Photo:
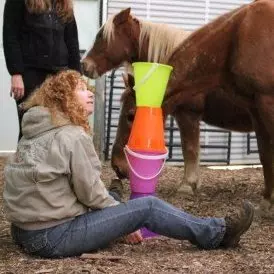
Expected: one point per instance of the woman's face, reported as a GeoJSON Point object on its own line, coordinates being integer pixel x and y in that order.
{"type": "Point", "coordinates": [85, 96]}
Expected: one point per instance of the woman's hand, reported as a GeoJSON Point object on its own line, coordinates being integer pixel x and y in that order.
{"type": "Point", "coordinates": [134, 238]}
{"type": "Point", "coordinates": [17, 87]}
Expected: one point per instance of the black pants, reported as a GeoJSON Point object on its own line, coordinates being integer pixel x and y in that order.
{"type": "Point", "coordinates": [32, 78]}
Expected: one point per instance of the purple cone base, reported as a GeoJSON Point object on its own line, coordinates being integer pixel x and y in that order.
{"type": "Point", "coordinates": [145, 232]}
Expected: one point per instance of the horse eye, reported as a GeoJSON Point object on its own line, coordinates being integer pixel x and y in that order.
{"type": "Point", "coordinates": [130, 117]}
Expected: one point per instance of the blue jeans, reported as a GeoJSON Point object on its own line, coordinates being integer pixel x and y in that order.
{"type": "Point", "coordinates": [96, 229]}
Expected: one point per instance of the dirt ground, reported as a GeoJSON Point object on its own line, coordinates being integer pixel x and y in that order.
{"type": "Point", "coordinates": [222, 191]}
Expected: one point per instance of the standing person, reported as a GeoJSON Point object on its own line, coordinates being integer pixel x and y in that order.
{"type": "Point", "coordinates": [56, 201]}
{"type": "Point", "coordinates": [40, 38]}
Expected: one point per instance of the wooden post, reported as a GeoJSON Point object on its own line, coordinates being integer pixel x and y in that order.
{"type": "Point", "coordinates": [99, 117]}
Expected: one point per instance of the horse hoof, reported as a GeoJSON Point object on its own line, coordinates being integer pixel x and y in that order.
{"type": "Point", "coordinates": [186, 189]}
{"type": "Point", "coordinates": [266, 209]}
{"type": "Point", "coordinates": [198, 185]}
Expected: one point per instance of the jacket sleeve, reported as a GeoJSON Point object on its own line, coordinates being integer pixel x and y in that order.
{"type": "Point", "coordinates": [86, 170]}
{"type": "Point", "coordinates": [71, 40]}
{"type": "Point", "coordinates": [12, 22]}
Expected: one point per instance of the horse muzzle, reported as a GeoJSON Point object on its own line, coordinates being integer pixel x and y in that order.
{"type": "Point", "coordinates": [89, 68]}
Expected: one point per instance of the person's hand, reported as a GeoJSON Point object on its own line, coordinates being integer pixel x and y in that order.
{"type": "Point", "coordinates": [17, 87]}
{"type": "Point", "coordinates": [134, 238]}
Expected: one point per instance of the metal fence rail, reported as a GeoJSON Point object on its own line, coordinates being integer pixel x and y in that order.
{"type": "Point", "coordinates": [171, 144]}
{"type": "Point", "coordinates": [249, 138]}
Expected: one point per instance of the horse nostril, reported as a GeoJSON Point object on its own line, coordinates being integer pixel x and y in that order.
{"type": "Point", "coordinates": [89, 68]}
{"type": "Point", "coordinates": [116, 169]}
{"type": "Point", "coordinates": [83, 66]}
{"type": "Point", "coordinates": [118, 172]}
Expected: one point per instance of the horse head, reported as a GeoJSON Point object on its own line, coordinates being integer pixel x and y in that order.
{"type": "Point", "coordinates": [127, 114]}
{"type": "Point", "coordinates": [116, 42]}
{"type": "Point", "coordinates": [124, 39]}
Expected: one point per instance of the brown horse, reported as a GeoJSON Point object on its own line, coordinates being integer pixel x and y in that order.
{"type": "Point", "coordinates": [233, 54]}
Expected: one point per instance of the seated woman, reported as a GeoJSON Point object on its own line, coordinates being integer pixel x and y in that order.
{"type": "Point", "coordinates": [54, 197]}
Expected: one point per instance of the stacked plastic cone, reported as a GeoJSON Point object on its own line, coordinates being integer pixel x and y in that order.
{"type": "Point", "coordinates": [145, 150]}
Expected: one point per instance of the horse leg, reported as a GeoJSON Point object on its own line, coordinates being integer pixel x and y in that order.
{"type": "Point", "coordinates": [264, 147]}
{"type": "Point", "coordinates": [189, 126]}
{"type": "Point", "coordinates": [264, 127]}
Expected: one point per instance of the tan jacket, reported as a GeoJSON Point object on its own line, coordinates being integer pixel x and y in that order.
{"type": "Point", "coordinates": [54, 174]}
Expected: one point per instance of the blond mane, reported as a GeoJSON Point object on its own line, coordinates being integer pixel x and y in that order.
{"type": "Point", "coordinates": [163, 38]}
{"type": "Point", "coordinates": [108, 27]}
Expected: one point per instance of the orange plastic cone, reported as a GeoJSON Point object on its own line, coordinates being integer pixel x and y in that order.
{"type": "Point", "coordinates": [147, 133]}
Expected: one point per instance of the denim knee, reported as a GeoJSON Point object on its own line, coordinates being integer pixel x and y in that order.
{"type": "Point", "coordinates": [151, 201]}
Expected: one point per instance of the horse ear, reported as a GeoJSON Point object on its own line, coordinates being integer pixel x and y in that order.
{"type": "Point", "coordinates": [125, 78]}
{"type": "Point", "coordinates": [128, 80]}
{"type": "Point", "coordinates": [121, 17]}
{"type": "Point", "coordinates": [131, 81]}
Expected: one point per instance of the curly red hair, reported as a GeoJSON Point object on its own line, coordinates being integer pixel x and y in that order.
{"type": "Point", "coordinates": [57, 93]}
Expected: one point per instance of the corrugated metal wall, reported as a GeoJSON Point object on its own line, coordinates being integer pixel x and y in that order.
{"type": "Point", "coordinates": [189, 15]}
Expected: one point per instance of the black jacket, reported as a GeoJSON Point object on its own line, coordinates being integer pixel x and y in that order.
{"type": "Point", "coordinates": [38, 40]}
